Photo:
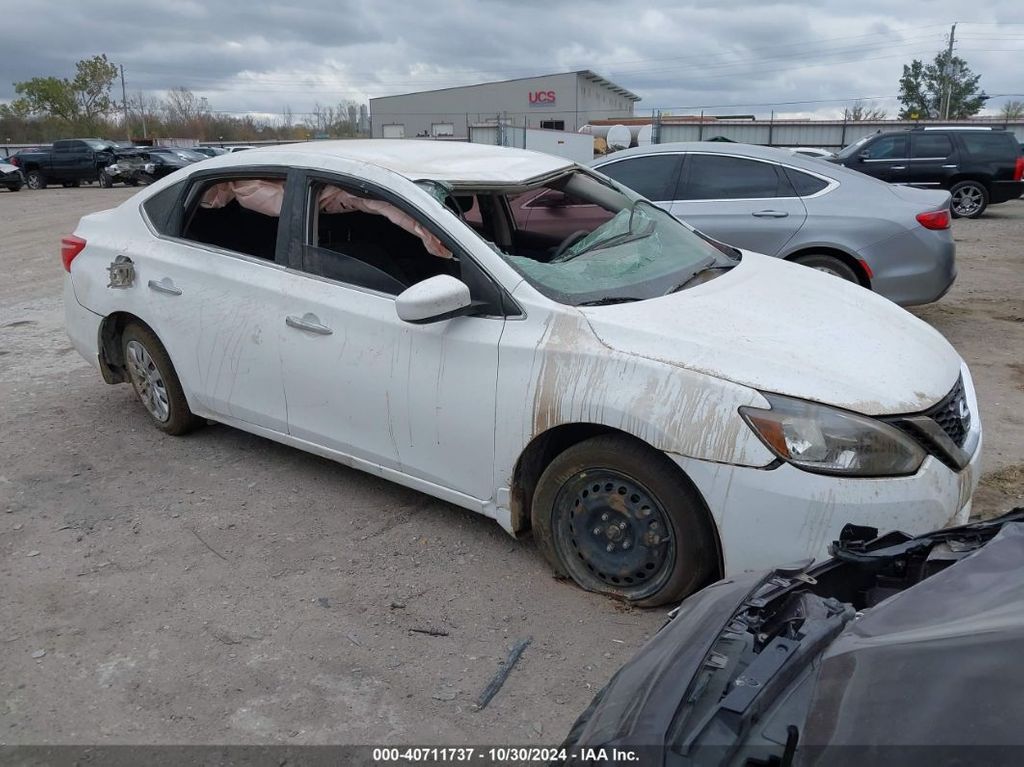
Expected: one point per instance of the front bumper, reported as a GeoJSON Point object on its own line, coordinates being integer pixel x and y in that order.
{"type": "Point", "coordinates": [769, 517]}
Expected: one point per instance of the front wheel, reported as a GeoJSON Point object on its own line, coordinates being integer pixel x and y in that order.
{"type": "Point", "coordinates": [155, 381]}
{"type": "Point", "coordinates": [969, 199]}
{"type": "Point", "coordinates": [618, 517]}
{"type": "Point", "coordinates": [828, 264]}
{"type": "Point", "coordinates": [106, 180]}
{"type": "Point", "coordinates": [14, 188]}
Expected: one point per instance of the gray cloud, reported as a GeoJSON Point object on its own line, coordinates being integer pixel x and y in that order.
{"type": "Point", "coordinates": [262, 56]}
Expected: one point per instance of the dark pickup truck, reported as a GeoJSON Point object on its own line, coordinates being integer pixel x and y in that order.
{"type": "Point", "coordinates": [68, 162]}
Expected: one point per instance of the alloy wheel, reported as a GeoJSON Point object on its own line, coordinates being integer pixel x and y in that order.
{"type": "Point", "coordinates": [967, 200]}
{"type": "Point", "coordinates": [148, 381]}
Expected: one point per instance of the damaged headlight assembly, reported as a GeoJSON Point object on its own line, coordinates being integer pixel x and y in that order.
{"type": "Point", "coordinates": [827, 440]}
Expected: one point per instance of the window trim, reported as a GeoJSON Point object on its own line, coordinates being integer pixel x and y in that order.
{"type": "Point", "coordinates": [831, 183]}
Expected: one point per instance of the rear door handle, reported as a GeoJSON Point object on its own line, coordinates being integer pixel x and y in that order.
{"type": "Point", "coordinates": [770, 213]}
{"type": "Point", "coordinates": [898, 167]}
{"type": "Point", "coordinates": [950, 166]}
{"type": "Point", "coordinates": [166, 285]}
{"type": "Point", "coordinates": [309, 322]}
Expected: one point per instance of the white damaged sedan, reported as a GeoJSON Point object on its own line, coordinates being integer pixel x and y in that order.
{"type": "Point", "coordinates": [660, 409]}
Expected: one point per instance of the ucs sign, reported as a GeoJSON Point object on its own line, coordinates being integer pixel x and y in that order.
{"type": "Point", "coordinates": [542, 98]}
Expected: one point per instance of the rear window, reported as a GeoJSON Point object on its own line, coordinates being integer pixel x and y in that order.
{"type": "Point", "coordinates": [989, 146]}
{"type": "Point", "coordinates": [804, 183]}
{"type": "Point", "coordinates": [932, 145]}
{"type": "Point", "coordinates": [712, 177]}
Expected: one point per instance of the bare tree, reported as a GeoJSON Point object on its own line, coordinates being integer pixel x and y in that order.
{"type": "Point", "coordinates": [858, 112]}
{"type": "Point", "coordinates": [186, 112]}
{"type": "Point", "coordinates": [1012, 110]}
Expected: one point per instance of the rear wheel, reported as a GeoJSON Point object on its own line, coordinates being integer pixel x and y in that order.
{"type": "Point", "coordinates": [155, 382]}
{"type": "Point", "coordinates": [35, 180]}
{"type": "Point", "coordinates": [619, 518]}
{"type": "Point", "coordinates": [106, 180]}
{"type": "Point", "coordinates": [970, 198]}
{"type": "Point", "coordinates": [828, 264]}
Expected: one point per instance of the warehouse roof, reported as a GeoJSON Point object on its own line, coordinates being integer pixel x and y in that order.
{"type": "Point", "coordinates": [585, 73]}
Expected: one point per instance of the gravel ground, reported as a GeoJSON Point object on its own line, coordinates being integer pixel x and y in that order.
{"type": "Point", "coordinates": [221, 588]}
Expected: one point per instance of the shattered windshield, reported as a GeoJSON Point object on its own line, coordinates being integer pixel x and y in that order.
{"type": "Point", "coordinates": [585, 243]}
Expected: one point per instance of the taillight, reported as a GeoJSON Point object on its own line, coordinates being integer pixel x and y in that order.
{"type": "Point", "coordinates": [12, 161]}
{"type": "Point", "coordinates": [70, 247]}
{"type": "Point", "coordinates": [934, 219]}
{"type": "Point", "coordinates": [1018, 169]}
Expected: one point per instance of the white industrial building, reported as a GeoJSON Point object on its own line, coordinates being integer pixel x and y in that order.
{"type": "Point", "coordinates": [563, 101]}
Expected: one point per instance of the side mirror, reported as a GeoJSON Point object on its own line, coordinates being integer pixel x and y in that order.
{"type": "Point", "coordinates": [435, 299]}
{"type": "Point", "coordinates": [864, 154]}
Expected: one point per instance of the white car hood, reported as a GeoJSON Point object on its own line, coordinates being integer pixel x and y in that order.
{"type": "Point", "coordinates": [784, 328]}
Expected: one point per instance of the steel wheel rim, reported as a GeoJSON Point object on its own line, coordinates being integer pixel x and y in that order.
{"type": "Point", "coordinates": [148, 381]}
{"type": "Point", "coordinates": [967, 200]}
{"type": "Point", "coordinates": [612, 534]}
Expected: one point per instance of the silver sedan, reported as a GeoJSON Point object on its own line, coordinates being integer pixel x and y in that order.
{"type": "Point", "coordinates": [894, 240]}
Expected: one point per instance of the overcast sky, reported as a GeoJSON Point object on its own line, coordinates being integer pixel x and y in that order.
{"type": "Point", "coordinates": [730, 56]}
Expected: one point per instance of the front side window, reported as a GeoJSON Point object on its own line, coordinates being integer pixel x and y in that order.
{"type": "Point", "coordinates": [714, 177]}
{"type": "Point", "coordinates": [363, 240]}
{"type": "Point", "coordinates": [653, 176]}
{"type": "Point", "coordinates": [888, 148]}
{"type": "Point", "coordinates": [237, 214]}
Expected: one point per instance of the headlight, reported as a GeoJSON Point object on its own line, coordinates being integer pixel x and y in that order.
{"type": "Point", "coordinates": [831, 441]}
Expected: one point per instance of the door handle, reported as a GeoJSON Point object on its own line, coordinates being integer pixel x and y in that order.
{"type": "Point", "coordinates": [309, 322]}
{"type": "Point", "coordinates": [770, 213]}
{"type": "Point", "coordinates": [950, 166]}
{"type": "Point", "coordinates": [164, 286]}
{"type": "Point", "coordinates": [898, 167]}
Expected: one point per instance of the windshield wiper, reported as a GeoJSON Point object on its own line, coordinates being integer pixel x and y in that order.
{"type": "Point", "coordinates": [703, 270]}
{"type": "Point", "coordinates": [610, 300]}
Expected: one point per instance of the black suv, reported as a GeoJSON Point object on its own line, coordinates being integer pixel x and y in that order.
{"type": "Point", "coordinates": [979, 166]}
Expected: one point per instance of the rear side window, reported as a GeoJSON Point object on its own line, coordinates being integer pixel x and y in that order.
{"type": "Point", "coordinates": [710, 177]}
{"type": "Point", "coordinates": [237, 213]}
{"type": "Point", "coordinates": [653, 176]}
{"type": "Point", "coordinates": [989, 146]}
{"type": "Point", "coordinates": [930, 145]}
{"type": "Point", "coordinates": [163, 209]}
{"type": "Point", "coordinates": [804, 183]}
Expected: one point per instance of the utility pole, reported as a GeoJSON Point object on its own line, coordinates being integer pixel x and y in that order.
{"type": "Point", "coordinates": [124, 103]}
{"type": "Point", "coordinates": [947, 95]}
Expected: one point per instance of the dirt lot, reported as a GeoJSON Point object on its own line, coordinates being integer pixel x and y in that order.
{"type": "Point", "coordinates": [224, 589]}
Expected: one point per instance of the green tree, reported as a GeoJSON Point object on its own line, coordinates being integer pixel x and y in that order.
{"type": "Point", "coordinates": [924, 87]}
{"type": "Point", "coordinates": [81, 100]}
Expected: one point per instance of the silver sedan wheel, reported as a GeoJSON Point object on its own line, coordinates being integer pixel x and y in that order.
{"type": "Point", "coordinates": [967, 200]}
{"type": "Point", "coordinates": [148, 381]}
{"type": "Point", "coordinates": [827, 270]}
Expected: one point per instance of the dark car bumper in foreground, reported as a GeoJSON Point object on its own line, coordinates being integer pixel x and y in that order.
{"type": "Point", "coordinates": [12, 179]}
{"type": "Point", "coordinates": [897, 650]}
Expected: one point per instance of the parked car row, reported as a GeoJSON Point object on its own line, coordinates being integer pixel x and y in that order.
{"type": "Point", "coordinates": [660, 408]}
{"type": "Point", "coordinates": [72, 162]}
